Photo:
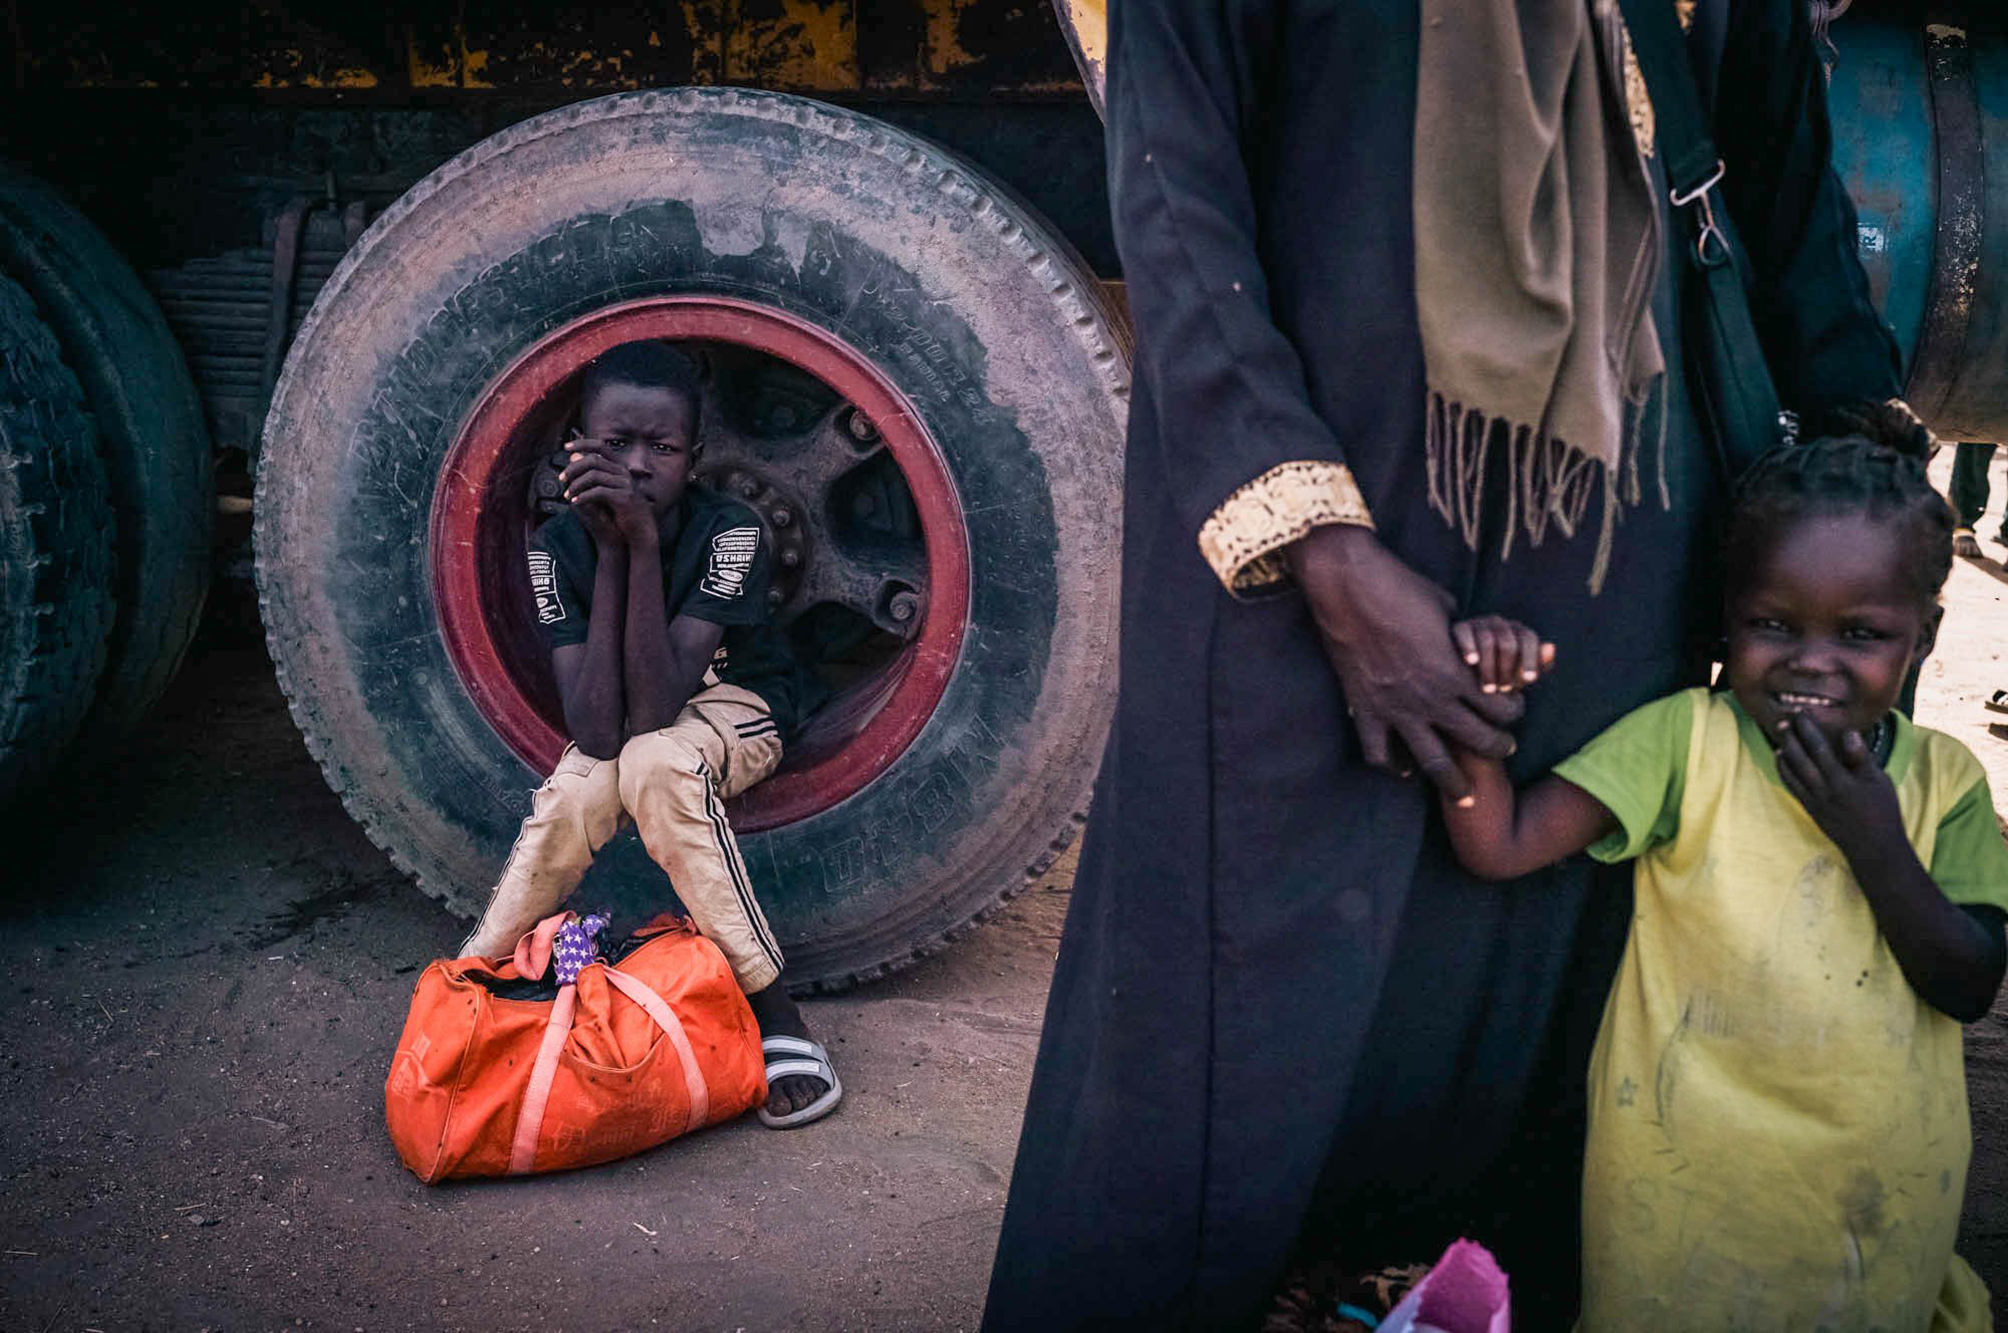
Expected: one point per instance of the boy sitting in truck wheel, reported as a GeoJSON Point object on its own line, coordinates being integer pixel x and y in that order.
{"type": "Point", "coordinates": [678, 693]}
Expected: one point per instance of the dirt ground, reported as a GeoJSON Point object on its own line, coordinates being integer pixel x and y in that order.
{"type": "Point", "coordinates": [210, 965]}
{"type": "Point", "coordinates": [210, 968]}
{"type": "Point", "coordinates": [1956, 681]}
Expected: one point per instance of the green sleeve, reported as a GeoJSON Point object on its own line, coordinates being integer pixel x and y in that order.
{"type": "Point", "coordinates": [1637, 768]}
{"type": "Point", "coordinates": [1969, 860]}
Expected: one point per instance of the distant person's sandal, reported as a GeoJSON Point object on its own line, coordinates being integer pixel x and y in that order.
{"type": "Point", "coordinates": [1964, 543]}
{"type": "Point", "coordinates": [798, 1055]}
{"type": "Point", "coordinates": [1996, 702]}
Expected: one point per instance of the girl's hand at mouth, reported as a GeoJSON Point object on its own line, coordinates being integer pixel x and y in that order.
{"type": "Point", "coordinates": [1840, 784]}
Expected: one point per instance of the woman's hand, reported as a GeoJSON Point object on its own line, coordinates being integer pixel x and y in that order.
{"type": "Point", "coordinates": [603, 494]}
{"type": "Point", "coordinates": [1507, 655]}
{"type": "Point", "coordinates": [1842, 787]}
{"type": "Point", "coordinates": [1386, 630]}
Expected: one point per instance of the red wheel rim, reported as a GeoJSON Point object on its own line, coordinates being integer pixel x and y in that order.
{"type": "Point", "coordinates": [480, 590]}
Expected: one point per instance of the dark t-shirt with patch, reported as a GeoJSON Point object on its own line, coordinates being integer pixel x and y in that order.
{"type": "Point", "coordinates": [716, 570]}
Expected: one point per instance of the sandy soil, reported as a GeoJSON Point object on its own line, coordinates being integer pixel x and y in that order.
{"type": "Point", "coordinates": [209, 967]}
{"type": "Point", "coordinates": [1973, 662]}
{"type": "Point", "coordinates": [1967, 668]}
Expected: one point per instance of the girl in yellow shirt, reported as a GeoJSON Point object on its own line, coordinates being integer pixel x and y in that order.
{"type": "Point", "coordinates": [1778, 1129]}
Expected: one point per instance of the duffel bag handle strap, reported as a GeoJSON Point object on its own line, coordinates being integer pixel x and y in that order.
{"type": "Point", "coordinates": [530, 1120]}
{"type": "Point", "coordinates": [672, 1027]}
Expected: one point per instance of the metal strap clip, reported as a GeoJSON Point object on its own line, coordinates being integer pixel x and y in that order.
{"type": "Point", "coordinates": [1711, 246]}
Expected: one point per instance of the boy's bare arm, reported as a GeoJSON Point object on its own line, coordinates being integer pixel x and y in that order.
{"type": "Point", "coordinates": [591, 683]}
{"type": "Point", "coordinates": [1953, 958]}
{"type": "Point", "coordinates": [665, 660]}
{"type": "Point", "coordinates": [658, 663]}
{"type": "Point", "coordinates": [589, 673]}
{"type": "Point", "coordinates": [662, 660]}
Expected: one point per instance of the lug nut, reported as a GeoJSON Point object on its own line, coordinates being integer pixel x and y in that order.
{"type": "Point", "coordinates": [748, 487]}
{"type": "Point", "coordinates": [790, 559]}
{"type": "Point", "coordinates": [774, 596]}
{"type": "Point", "coordinates": [903, 606]}
{"type": "Point", "coordinates": [782, 518]}
{"type": "Point", "coordinates": [861, 428]}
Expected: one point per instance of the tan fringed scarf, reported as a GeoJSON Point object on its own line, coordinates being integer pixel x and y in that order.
{"type": "Point", "coordinates": [1536, 250]}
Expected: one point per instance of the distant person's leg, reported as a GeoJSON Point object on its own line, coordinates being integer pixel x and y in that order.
{"type": "Point", "coordinates": [1970, 461]}
{"type": "Point", "coordinates": [575, 813]}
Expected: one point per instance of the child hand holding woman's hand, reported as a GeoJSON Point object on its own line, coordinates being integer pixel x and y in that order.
{"type": "Point", "coordinates": [1508, 656]}
{"type": "Point", "coordinates": [1500, 834]}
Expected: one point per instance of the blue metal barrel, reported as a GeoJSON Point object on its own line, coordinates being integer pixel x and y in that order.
{"type": "Point", "coordinates": [1920, 109]}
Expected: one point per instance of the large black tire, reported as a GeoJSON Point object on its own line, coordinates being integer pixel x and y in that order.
{"type": "Point", "coordinates": [55, 552]}
{"type": "Point", "coordinates": [150, 431]}
{"type": "Point", "coordinates": [956, 292]}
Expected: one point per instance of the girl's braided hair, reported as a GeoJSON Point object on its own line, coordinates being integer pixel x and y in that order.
{"type": "Point", "coordinates": [1864, 458]}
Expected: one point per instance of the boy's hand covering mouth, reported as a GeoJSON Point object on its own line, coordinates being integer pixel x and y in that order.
{"type": "Point", "coordinates": [603, 492]}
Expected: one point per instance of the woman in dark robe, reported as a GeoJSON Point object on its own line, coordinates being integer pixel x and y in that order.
{"type": "Point", "coordinates": [1280, 1009]}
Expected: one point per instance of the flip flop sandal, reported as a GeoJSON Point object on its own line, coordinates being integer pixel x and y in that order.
{"type": "Point", "coordinates": [1964, 543]}
{"type": "Point", "coordinates": [796, 1055]}
{"type": "Point", "coordinates": [1997, 702]}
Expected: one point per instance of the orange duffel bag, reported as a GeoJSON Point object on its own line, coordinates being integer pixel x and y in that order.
{"type": "Point", "coordinates": [629, 1055]}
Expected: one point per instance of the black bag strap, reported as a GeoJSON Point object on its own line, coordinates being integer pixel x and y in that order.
{"type": "Point", "coordinates": [1727, 370]}
{"type": "Point", "coordinates": [1693, 167]}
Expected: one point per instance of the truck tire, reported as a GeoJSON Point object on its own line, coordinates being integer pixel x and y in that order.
{"type": "Point", "coordinates": [55, 552]}
{"type": "Point", "coordinates": [150, 432]}
{"type": "Point", "coordinates": [919, 291]}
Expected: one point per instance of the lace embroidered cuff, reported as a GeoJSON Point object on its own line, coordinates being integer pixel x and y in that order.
{"type": "Point", "coordinates": [1243, 539]}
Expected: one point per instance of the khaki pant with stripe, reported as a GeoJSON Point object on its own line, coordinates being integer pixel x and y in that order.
{"type": "Point", "coordinates": [672, 785]}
